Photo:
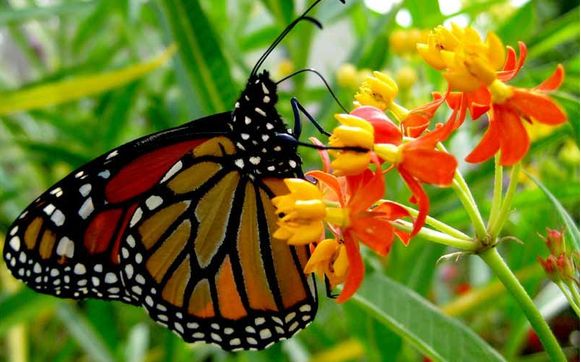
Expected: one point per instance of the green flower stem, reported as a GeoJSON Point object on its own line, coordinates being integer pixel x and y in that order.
{"type": "Point", "coordinates": [497, 193]}
{"type": "Point", "coordinates": [505, 275]}
{"type": "Point", "coordinates": [463, 192]}
{"type": "Point", "coordinates": [436, 224]}
{"type": "Point", "coordinates": [568, 294]}
{"type": "Point", "coordinates": [574, 290]}
{"type": "Point", "coordinates": [438, 237]}
{"type": "Point", "coordinates": [496, 227]}
{"type": "Point", "coordinates": [465, 195]}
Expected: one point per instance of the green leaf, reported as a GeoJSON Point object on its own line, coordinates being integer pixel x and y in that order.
{"type": "Point", "coordinates": [22, 307]}
{"type": "Point", "coordinates": [571, 225]}
{"type": "Point", "coordinates": [425, 13]}
{"type": "Point", "coordinates": [201, 54]}
{"type": "Point", "coordinates": [67, 90]}
{"type": "Point", "coordinates": [420, 323]}
{"type": "Point", "coordinates": [83, 333]}
{"type": "Point", "coordinates": [21, 15]}
{"type": "Point", "coordinates": [520, 26]}
{"type": "Point", "coordinates": [283, 11]}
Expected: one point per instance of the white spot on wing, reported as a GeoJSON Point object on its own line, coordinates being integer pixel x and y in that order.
{"type": "Point", "coordinates": [105, 174]}
{"type": "Point", "coordinates": [15, 243]}
{"type": "Point", "coordinates": [85, 189]}
{"type": "Point", "coordinates": [153, 202]}
{"type": "Point", "coordinates": [57, 192]}
{"type": "Point", "coordinates": [58, 217]}
{"type": "Point", "coordinates": [79, 269]}
{"type": "Point", "coordinates": [110, 278]}
{"type": "Point", "coordinates": [86, 209]}
{"type": "Point", "coordinates": [264, 89]}
{"type": "Point", "coordinates": [112, 154]}
{"type": "Point", "coordinates": [260, 111]}
{"type": "Point", "coordinates": [172, 171]}
{"type": "Point", "coordinates": [48, 209]}
{"type": "Point", "coordinates": [136, 217]}
{"type": "Point", "coordinates": [245, 136]}
{"type": "Point", "coordinates": [247, 120]}
{"type": "Point", "coordinates": [239, 162]}
{"type": "Point", "coordinates": [254, 160]}
{"type": "Point", "coordinates": [65, 247]}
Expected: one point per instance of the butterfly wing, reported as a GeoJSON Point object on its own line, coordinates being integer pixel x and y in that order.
{"type": "Point", "coordinates": [66, 243]}
{"type": "Point", "coordinates": [200, 256]}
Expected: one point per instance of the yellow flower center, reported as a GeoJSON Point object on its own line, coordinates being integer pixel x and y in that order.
{"type": "Point", "coordinates": [389, 152]}
{"type": "Point", "coordinates": [500, 91]}
{"type": "Point", "coordinates": [338, 216]}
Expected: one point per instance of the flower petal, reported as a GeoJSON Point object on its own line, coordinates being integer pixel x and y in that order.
{"type": "Point", "coordinates": [325, 159]}
{"type": "Point", "coordinates": [512, 67]}
{"type": "Point", "coordinates": [385, 130]}
{"type": "Point", "coordinates": [514, 140]}
{"type": "Point", "coordinates": [554, 81]}
{"type": "Point", "coordinates": [537, 106]}
{"type": "Point", "coordinates": [375, 233]}
{"type": "Point", "coordinates": [488, 145]}
{"type": "Point", "coordinates": [356, 269]}
{"type": "Point", "coordinates": [330, 181]}
{"type": "Point", "coordinates": [421, 199]}
{"type": "Point", "coordinates": [430, 166]}
{"type": "Point", "coordinates": [419, 118]}
{"type": "Point", "coordinates": [365, 190]}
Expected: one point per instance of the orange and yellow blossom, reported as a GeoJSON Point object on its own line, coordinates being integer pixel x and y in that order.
{"type": "Point", "coordinates": [350, 211]}
{"type": "Point", "coordinates": [476, 71]}
{"type": "Point", "coordinates": [356, 219]}
{"type": "Point", "coordinates": [416, 160]}
{"type": "Point", "coordinates": [303, 211]}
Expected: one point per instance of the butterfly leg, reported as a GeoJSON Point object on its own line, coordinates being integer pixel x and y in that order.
{"type": "Point", "coordinates": [297, 107]}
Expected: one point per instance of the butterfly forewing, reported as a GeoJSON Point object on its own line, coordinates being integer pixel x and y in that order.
{"type": "Point", "coordinates": [202, 260]}
{"type": "Point", "coordinates": [66, 243]}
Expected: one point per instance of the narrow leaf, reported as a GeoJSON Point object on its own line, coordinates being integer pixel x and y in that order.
{"type": "Point", "coordinates": [67, 90]}
{"type": "Point", "coordinates": [406, 313]}
{"type": "Point", "coordinates": [83, 333]}
{"type": "Point", "coordinates": [570, 224]}
{"type": "Point", "coordinates": [23, 306]}
{"type": "Point", "coordinates": [13, 16]}
{"type": "Point", "coordinates": [201, 54]}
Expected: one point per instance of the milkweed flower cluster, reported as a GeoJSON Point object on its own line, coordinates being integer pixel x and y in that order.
{"type": "Point", "coordinates": [380, 136]}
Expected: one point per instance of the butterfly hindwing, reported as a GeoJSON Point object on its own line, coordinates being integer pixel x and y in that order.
{"type": "Point", "coordinates": [66, 243]}
{"type": "Point", "coordinates": [203, 262]}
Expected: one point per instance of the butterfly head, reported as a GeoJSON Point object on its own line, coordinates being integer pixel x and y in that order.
{"type": "Point", "coordinates": [255, 126]}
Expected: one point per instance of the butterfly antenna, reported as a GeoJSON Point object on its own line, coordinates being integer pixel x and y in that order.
{"type": "Point", "coordinates": [316, 72]}
{"type": "Point", "coordinates": [285, 32]}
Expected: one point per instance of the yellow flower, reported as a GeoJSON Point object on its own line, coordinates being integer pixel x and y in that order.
{"type": "Point", "coordinates": [353, 132]}
{"type": "Point", "coordinates": [377, 90]}
{"type": "Point", "coordinates": [329, 258]}
{"type": "Point", "coordinates": [468, 61]}
{"type": "Point", "coordinates": [406, 77]}
{"type": "Point", "coordinates": [303, 212]}
{"type": "Point", "coordinates": [284, 68]}
{"type": "Point", "coordinates": [347, 76]}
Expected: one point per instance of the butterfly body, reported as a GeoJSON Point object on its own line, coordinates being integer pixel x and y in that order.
{"type": "Point", "coordinates": [179, 222]}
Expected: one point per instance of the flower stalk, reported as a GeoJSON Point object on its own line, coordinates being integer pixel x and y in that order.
{"type": "Point", "coordinates": [493, 259]}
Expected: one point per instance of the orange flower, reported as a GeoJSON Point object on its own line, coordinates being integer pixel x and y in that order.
{"type": "Point", "coordinates": [417, 161]}
{"type": "Point", "coordinates": [506, 132]}
{"type": "Point", "coordinates": [356, 220]}
{"type": "Point", "coordinates": [508, 106]}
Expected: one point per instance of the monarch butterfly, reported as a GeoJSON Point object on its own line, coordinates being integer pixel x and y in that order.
{"type": "Point", "coordinates": [180, 222]}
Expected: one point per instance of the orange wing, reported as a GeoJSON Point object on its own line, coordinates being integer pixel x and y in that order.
{"type": "Point", "coordinates": [201, 259]}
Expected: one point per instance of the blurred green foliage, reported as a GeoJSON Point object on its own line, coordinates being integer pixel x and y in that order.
{"type": "Point", "coordinates": [219, 41]}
